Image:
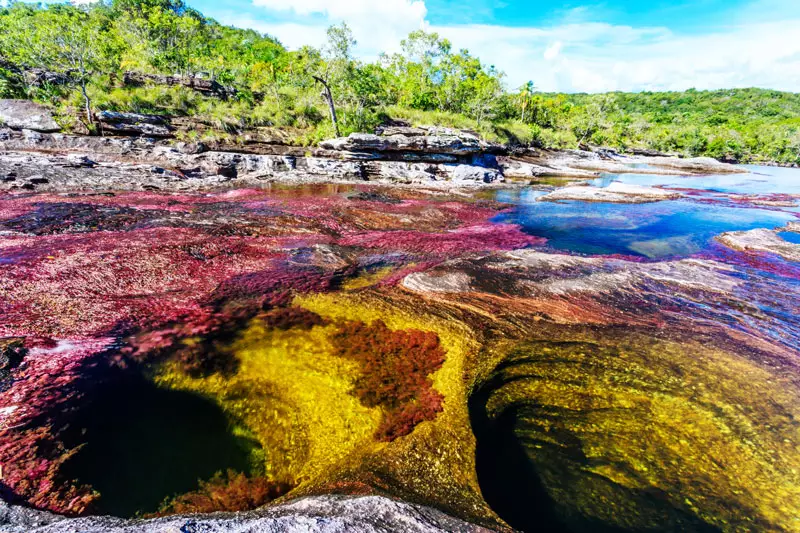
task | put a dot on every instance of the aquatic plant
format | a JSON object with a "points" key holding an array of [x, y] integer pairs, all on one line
{"points": [[228, 492], [396, 366]]}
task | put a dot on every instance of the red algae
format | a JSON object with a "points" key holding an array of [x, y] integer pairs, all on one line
{"points": [[478, 238], [396, 366]]}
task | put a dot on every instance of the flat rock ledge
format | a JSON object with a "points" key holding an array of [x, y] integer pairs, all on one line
{"points": [[321, 514], [614, 193], [763, 241]]}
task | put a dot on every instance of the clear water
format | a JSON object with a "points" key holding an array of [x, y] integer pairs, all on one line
{"points": [[655, 230], [790, 237]]}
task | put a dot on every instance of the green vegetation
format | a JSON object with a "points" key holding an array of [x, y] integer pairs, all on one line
{"points": [[74, 58]]}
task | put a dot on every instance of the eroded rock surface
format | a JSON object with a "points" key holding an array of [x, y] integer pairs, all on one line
{"points": [[762, 240], [616, 192], [322, 514], [24, 114]]}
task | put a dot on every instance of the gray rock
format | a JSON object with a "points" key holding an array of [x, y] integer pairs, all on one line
{"points": [[321, 514], [476, 174], [449, 142], [134, 123], [24, 114]]}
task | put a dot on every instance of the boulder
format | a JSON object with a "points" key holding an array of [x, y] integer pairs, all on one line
{"points": [[475, 174], [24, 114]]}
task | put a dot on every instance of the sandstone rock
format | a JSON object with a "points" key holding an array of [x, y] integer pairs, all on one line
{"points": [[761, 240], [322, 514], [79, 160], [24, 114], [134, 123], [475, 174], [201, 85], [450, 143], [616, 193]]}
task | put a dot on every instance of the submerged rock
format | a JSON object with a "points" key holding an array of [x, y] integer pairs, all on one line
{"points": [[321, 514], [24, 114]]}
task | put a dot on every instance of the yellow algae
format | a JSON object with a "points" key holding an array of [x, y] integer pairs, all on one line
{"points": [[436, 463], [612, 421], [292, 395], [367, 280]]}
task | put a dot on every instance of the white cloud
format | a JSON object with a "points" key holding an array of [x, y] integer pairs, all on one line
{"points": [[378, 26], [553, 50], [598, 57], [579, 56]]}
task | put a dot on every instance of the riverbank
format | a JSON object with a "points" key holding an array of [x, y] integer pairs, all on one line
{"points": [[434, 158]]}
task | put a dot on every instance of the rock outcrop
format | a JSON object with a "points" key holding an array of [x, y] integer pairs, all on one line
{"points": [[321, 514], [24, 114], [114, 122], [616, 193], [763, 241], [201, 85]]}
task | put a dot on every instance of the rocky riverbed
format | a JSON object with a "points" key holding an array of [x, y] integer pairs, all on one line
{"points": [[413, 345]]}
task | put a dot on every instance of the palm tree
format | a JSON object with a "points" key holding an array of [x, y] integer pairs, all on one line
{"points": [[524, 97]]}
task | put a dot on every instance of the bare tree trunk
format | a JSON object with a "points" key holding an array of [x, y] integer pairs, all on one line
{"points": [[328, 95], [87, 103]]}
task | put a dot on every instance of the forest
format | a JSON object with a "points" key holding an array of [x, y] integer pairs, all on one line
{"points": [[74, 58]]}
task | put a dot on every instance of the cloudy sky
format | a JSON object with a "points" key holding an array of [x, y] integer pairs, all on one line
{"points": [[574, 46]]}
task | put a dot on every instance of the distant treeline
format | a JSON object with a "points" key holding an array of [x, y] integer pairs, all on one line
{"points": [[74, 58]]}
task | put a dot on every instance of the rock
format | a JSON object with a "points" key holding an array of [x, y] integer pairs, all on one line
{"points": [[191, 148], [12, 351], [321, 514], [477, 174], [24, 114], [450, 142], [514, 168], [79, 160], [134, 123], [695, 164], [616, 192], [761, 240], [201, 85]]}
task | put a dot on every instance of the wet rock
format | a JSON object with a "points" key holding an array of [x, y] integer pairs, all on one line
{"points": [[12, 351], [616, 193], [328, 514], [24, 114]]}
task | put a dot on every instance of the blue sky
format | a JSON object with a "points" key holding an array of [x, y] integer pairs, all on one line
{"points": [[572, 46]]}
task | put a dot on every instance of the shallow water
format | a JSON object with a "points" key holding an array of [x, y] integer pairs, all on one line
{"points": [[568, 366], [654, 230], [757, 180]]}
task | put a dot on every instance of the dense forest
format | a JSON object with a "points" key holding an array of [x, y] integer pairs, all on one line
{"points": [[74, 58]]}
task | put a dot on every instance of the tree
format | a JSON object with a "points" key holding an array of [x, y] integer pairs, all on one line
{"points": [[60, 39], [524, 99], [338, 60]]}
